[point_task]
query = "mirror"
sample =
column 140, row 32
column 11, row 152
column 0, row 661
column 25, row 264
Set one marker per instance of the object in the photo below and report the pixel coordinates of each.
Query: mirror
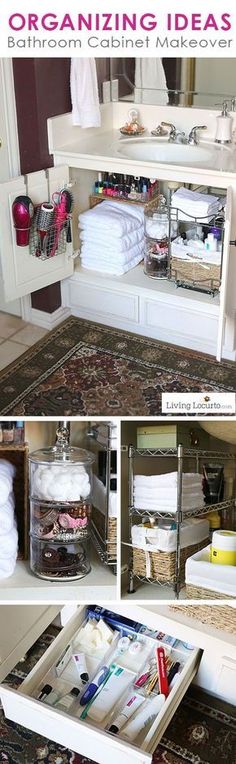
column 197, row 82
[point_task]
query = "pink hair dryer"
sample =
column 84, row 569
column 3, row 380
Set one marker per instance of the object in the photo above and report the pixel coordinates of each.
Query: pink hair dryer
column 22, row 213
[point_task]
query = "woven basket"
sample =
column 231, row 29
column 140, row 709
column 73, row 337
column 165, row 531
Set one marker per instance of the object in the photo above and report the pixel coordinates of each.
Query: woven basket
column 185, row 271
column 95, row 199
column 198, row 593
column 99, row 522
column 219, row 616
column 163, row 564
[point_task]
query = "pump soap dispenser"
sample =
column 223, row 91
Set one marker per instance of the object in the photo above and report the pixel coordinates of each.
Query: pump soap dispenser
column 224, row 125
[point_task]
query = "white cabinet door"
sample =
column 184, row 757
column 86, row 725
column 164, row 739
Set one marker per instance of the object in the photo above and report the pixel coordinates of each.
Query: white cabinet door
column 23, row 273
column 83, row 737
column 224, row 275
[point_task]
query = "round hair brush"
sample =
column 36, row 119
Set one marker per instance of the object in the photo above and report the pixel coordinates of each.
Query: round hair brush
column 45, row 219
column 69, row 202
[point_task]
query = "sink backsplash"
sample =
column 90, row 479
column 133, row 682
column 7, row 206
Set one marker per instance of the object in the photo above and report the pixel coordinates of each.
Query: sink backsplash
column 182, row 118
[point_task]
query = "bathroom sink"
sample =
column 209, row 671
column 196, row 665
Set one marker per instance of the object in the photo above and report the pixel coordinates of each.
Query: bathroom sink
column 154, row 150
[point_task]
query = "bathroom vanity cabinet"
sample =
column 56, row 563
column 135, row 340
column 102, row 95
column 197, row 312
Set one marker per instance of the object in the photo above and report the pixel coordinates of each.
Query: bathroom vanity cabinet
column 135, row 302
column 131, row 302
column 213, row 652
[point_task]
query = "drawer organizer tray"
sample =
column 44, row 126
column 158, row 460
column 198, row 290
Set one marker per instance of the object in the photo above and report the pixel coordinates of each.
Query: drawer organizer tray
column 85, row 737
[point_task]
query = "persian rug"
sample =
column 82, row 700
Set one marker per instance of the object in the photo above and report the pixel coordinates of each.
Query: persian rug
column 82, row 368
column 202, row 731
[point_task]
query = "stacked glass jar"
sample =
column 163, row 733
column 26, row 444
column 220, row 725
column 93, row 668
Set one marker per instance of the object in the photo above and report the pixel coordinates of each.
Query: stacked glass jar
column 60, row 510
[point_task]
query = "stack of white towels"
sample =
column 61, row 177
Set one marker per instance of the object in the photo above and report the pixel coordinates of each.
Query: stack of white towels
column 158, row 493
column 196, row 205
column 8, row 530
column 112, row 237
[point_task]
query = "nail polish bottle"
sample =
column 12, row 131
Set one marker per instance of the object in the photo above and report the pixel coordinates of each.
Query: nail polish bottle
column 96, row 187
column 100, row 183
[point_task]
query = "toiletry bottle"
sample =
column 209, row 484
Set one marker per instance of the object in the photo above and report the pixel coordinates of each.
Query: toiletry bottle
column 19, row 432
column 211, row 243
column 224, row 125
column 67, row 700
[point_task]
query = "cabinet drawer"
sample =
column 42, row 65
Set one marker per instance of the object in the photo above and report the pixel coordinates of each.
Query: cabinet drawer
column 80, row 736
column 21, row 625
column 104, row 301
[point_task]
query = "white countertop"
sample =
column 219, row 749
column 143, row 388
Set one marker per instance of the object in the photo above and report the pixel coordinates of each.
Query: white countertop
column 100, row 151
column 24, row 586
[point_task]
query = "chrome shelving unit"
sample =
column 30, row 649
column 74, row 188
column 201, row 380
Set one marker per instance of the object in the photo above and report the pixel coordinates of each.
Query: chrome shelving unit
column 100, row 541
column 180, row 454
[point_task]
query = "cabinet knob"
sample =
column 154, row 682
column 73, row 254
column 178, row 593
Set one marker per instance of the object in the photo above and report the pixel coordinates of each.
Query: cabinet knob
column 0, row 143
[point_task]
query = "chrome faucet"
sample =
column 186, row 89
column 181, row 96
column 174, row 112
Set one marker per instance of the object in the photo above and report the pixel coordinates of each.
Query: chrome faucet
column 174, row 134
column 193, row 139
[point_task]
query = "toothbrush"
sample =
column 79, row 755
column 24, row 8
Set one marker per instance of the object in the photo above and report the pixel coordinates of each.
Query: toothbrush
column 93, row 686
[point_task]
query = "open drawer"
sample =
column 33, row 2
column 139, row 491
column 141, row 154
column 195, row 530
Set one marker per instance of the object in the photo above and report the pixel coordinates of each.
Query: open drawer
column 85, row 736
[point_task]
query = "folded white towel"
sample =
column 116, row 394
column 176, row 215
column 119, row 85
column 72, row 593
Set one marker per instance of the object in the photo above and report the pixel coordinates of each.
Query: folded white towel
column 7, row 567
column 100, row 496
column 93, row 264
column 108, row 216
column 168, row 479
column 167, row 495
column 7, row 516
column 114, row 246
column 194, row 204
column 89, row 252
column 9, row 544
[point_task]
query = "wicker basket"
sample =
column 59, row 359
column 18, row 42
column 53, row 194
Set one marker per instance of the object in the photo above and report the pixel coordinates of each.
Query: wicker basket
column 163, row 564
column 95, row 199
column 180, row 270
column 220, row 616
column 18, row 455
column 198, row 593
column 99, row 522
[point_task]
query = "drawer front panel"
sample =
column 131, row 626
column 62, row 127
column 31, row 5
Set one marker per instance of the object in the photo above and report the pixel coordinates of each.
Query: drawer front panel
column 104, row 302
column 182, row 321
column 80, row 736
column 20, row 627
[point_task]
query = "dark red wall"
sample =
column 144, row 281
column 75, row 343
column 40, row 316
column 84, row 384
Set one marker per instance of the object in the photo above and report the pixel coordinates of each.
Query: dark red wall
column 42, row 90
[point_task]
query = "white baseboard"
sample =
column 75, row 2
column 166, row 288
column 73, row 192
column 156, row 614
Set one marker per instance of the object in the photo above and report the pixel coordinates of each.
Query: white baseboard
column 49, row 320
column 40, row 317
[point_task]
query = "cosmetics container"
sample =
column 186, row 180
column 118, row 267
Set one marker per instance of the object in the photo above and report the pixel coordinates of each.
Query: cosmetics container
column 67, row 700
column 81, row 666
column 211, row 243
column 52, row 698
column 143, row 718
column 19, row 432
column 7, row 432
column 131, row 706
column 60, row 510
column 46, row 690
column 63, row 660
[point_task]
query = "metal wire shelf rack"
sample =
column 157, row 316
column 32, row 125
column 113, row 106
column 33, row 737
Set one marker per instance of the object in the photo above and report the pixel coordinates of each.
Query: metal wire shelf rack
column 180, row 453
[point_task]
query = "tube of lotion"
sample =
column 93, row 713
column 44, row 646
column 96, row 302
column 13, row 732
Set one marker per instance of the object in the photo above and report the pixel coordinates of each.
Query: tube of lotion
column 116, row 684
column 81, row 666
column 132, row 705
column 145, row 717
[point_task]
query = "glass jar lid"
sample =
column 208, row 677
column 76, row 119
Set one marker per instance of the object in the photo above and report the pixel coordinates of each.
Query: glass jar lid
column 62, row 453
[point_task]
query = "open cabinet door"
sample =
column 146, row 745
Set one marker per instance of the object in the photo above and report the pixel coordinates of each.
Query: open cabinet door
column 23, row 273
column 224, row 275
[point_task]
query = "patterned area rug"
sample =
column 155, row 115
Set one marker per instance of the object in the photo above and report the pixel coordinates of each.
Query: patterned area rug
column 203, row 730
column 84, row 368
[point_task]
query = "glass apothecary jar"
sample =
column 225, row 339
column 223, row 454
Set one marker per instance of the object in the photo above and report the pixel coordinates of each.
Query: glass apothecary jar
column 156, row 257
column 60, row 509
